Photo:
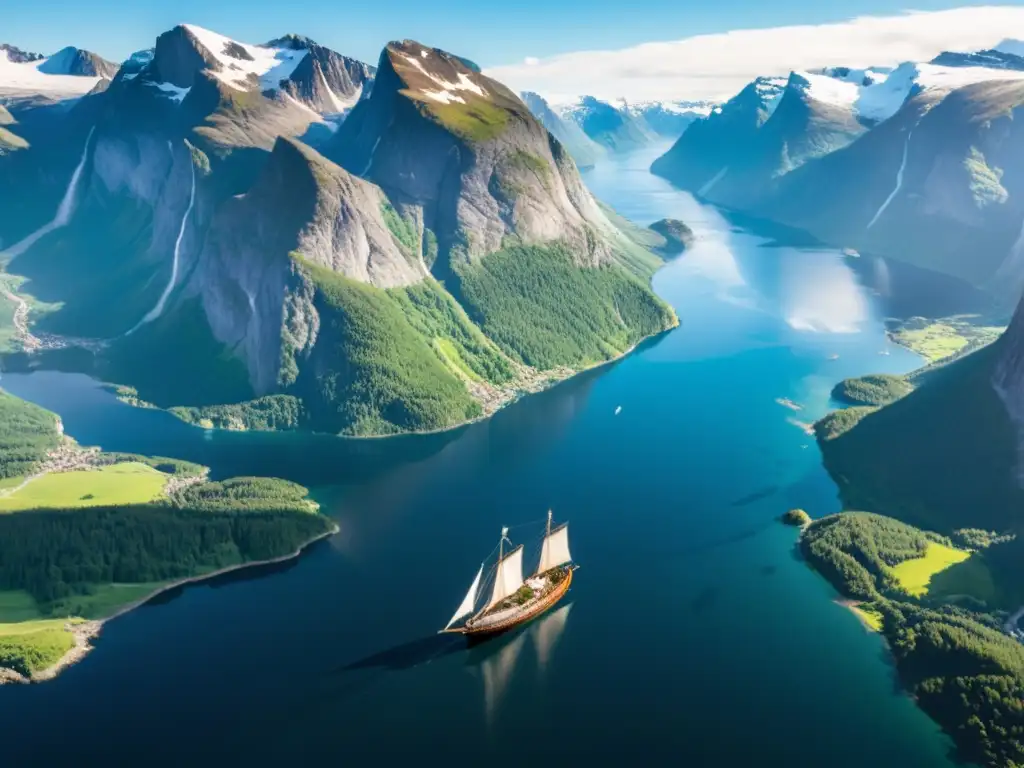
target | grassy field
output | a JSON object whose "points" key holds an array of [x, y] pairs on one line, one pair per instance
{"points": [[10, 482], [943, 338], [29, 643], [17, 605], [33, 646], [915, 576], [105, 599], [127, 483]]}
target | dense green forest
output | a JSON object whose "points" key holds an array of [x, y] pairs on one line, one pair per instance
{"points": [[966, 673], [877, 389], [269, 412], [53, 554], [543, 309], [942, 457], [27, 434], [373, 372]]}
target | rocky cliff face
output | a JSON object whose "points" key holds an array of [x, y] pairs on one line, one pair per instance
{"points": [[324, 80], [462, 156], [939, 184], [304, 204], [704, 154], [799, 129], [227, 260], [18, 56]]}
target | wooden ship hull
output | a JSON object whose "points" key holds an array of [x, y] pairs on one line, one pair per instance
{"points": [[513, 599], [530, 612]]}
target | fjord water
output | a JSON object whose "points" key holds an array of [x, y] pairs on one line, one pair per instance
{"points": [[692, 633]]}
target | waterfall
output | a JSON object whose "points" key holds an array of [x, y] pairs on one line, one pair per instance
{"points": [[64, 210], [157, 310], [703, 191], [899, 183]]}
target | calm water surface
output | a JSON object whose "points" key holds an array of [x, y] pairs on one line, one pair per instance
{"points": [[692, 633]]}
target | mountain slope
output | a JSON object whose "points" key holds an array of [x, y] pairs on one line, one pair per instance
{"points": [[451, 257], [75, 61], [705, 152], [615, 129], [584, 150], [939, 185]]}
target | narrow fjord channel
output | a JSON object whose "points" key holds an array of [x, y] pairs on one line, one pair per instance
{"points": [[692, 633]]}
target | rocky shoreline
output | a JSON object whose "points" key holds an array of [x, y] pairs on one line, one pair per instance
{"points": [[85, 631]]}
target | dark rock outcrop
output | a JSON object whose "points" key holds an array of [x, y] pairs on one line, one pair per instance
{"points": [[678, 236]]}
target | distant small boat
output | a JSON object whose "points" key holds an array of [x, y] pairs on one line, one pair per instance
{"points": [[514, 600], [833, 357], [885, 352], [618, 410]]}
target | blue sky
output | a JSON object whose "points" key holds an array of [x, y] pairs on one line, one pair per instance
{"points": [[486, 31]]}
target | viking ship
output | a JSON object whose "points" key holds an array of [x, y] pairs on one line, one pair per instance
{"points": [[514, 600]]}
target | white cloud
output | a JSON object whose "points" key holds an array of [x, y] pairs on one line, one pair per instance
{"points": [[717, 66]]}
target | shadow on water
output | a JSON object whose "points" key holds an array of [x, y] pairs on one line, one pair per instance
{"points": [[750, 498], [408, 655]]}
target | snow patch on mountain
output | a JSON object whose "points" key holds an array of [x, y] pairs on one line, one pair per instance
{"points": [[171, 91], [27, 77], [827, 90], [241, 62], [876, 94]]}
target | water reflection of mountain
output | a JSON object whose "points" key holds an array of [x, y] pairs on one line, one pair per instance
{"points": [[93, 415], [814, 288]]}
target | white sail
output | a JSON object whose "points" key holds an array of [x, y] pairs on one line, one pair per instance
{"points": [[469, 600], [555, 549], [508, 577]]}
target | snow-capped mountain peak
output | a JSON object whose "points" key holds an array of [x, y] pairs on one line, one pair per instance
{"points": [[239, 64], [68, 73]]}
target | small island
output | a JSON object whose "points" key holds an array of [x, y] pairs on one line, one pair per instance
{"points": [[678, 236], [796, 517], [876, 390]]}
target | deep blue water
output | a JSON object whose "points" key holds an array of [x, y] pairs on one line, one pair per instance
{"points": [[692, 633]]}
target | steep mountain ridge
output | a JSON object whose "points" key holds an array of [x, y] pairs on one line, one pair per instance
{"points": [[920, 162], [941, 179], [240, 274], [704, 154], [485, 169]]}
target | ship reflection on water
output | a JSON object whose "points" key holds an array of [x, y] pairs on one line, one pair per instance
{"points": [[498, 659], [494, 660]]}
